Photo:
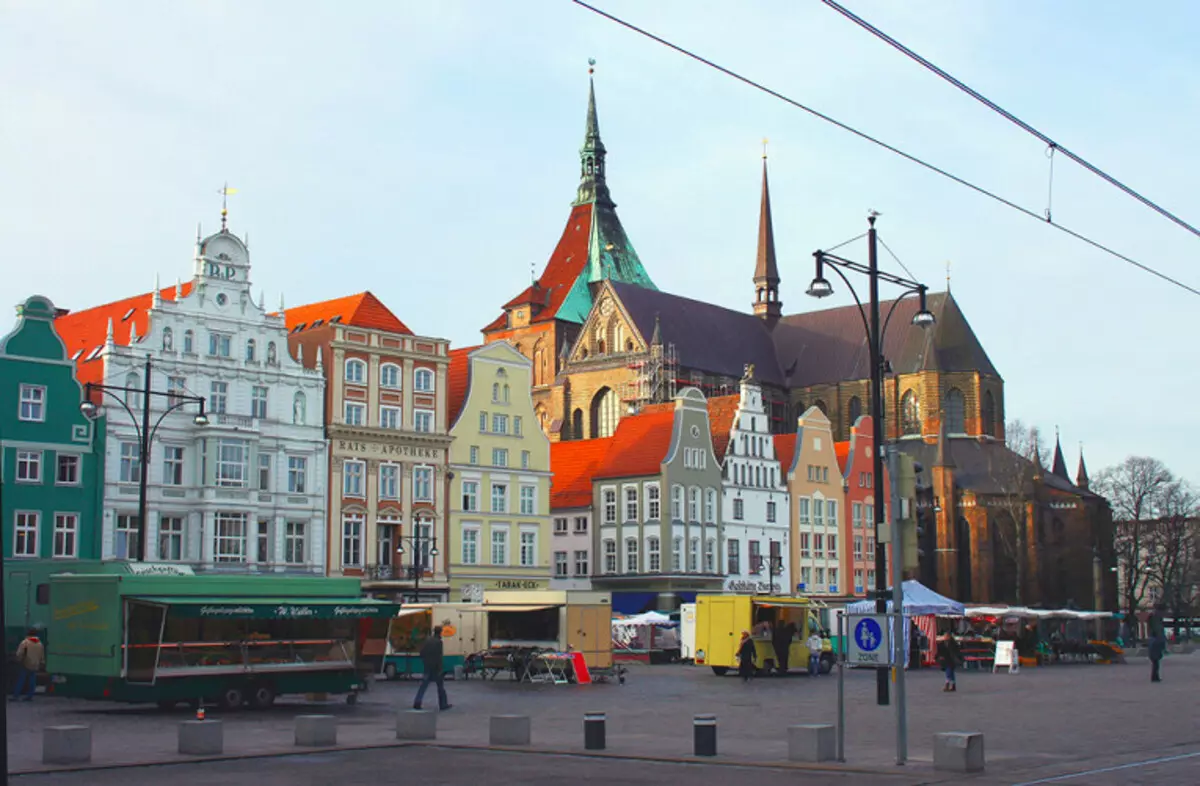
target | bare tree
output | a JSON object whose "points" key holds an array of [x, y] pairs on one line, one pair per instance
{"points": [[1171, 557], [1012, 475], [1133, 488]]}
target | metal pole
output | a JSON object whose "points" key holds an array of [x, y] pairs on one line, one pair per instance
{"points": [[841, 708], [881, 673], [145, 468], [3, 626], [899, 623], [416, 563]]}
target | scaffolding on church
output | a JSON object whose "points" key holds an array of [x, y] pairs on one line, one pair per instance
{"points": [[655, 377]]}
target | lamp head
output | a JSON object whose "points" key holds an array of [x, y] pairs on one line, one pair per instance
{"points": [[924, 317], [88, 408], [433, 552], [200, 420], [820, 286]]}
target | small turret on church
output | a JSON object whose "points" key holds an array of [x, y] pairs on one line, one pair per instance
{"points": [[767, 304]]}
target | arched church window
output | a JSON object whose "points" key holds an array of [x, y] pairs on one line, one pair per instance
{"points": [[855, 409], [605, 413], [910, 413], [168, 340], [955, 412]]}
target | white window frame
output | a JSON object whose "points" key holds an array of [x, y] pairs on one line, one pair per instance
{"points": [[355, 371], [354, 413], [677, 495], [470, 496], [32, 405], [710, 555], [169, 533], [733, 557], [426, 374], [66, 529], [631, 507], [125, 536], [470, 544], [710, 506], [653, 502], [501, 498], [390, 416], [26, 533], [389, 481], [677, 554], [225, 476], [560, 525], [632, 555], [499, 457], [352, 528], [238, 554], [693, 504], [739, 509], [295, 542], [74, 461], [500, 423], [129, 462], [528, 500], [499, 545], [581, 562], [422, 480], [388, 369], [608, 504], [297, 474], [610, 556], [173, 456], [561, 565], [29, 466], [220, 345], [266, 463], [259, 396], [653, 554], [354, 476], [528, 548], [218, 397], [423, 421]]}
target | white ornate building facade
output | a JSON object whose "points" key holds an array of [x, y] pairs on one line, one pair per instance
{"points": [[755, 509], [246, 492]]}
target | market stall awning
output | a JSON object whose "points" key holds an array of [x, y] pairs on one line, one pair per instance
{"points": [[918, 600], [260, 608], [518, 608]]}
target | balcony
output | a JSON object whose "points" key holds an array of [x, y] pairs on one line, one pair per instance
{"points": [[236, 421]]}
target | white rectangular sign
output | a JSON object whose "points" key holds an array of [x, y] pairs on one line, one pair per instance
{"points": [[867, 640]]}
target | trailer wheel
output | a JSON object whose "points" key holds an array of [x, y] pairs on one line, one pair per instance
{"points": [[389, 671], [720, 670], [232, 698], [262, 696]]}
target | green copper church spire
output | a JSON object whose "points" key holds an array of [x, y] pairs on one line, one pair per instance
{"points": [[592, 186]]}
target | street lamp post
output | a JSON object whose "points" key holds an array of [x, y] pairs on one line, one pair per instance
{"points": [[774, 565], [418, 560], [145, 432], [820, 288]]}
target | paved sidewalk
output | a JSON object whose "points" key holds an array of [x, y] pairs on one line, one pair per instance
{"points": [[1039, 723]]}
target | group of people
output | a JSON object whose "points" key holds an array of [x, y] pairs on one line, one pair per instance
{"points": [[781, 635]]}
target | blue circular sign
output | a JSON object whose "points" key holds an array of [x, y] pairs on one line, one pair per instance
{"points": [[868, 635]]}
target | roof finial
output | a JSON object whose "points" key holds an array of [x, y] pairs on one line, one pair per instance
{"points": [[178, 290], [108, 334], [591, 66], [262, 300], [225, 192], [156, 298], [947, 275], [765, 141], [280, 302]]}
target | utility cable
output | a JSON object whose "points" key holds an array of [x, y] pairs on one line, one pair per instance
{"points": [[875, 31], [863, 135]]}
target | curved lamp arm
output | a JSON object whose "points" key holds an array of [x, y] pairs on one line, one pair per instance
{"points": [[132, 417], [891, 310], [168, 411], [862, 314]]}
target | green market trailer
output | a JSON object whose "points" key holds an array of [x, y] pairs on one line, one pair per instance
{"points": [[223, 640]]}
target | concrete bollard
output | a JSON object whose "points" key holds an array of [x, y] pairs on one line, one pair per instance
{"points": [[704, 735], [593, 731], [958, 751], [509, 730], [67, 744], [316, 730], [201, 738], [416, 725], [459, 673], [812, 742]]}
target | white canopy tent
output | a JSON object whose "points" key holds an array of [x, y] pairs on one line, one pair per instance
{"points": [[918, 600]]}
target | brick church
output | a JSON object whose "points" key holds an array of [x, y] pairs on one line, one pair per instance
{"points": [[606, 342]]}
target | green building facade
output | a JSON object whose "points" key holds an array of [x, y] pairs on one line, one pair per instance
{"points": [[51, 455]]}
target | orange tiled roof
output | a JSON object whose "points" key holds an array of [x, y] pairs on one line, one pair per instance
{"points": [[457, 380], [83, 331], [721, 411], [785, 450], [842, 449], [639, 445], [566, 263], [362, 310], [574, 465]]}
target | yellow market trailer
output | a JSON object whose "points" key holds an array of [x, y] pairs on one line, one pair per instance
{"points": [[720, 620]]}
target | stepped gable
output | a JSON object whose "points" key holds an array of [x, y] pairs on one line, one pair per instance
{"points": [[85, 331]]}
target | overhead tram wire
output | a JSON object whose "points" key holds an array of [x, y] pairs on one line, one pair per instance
{"points": [[890, 148], [1009, 116]]}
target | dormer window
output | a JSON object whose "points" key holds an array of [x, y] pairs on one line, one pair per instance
{"points": [[299, 327]]}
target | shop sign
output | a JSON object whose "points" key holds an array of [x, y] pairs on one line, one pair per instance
{"points": [[387, 449], [519, 584], [282, 611], [752, 587]]}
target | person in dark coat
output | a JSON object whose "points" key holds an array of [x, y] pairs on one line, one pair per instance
{"points": [[948, 657], [1158, 643], [745, 656], [433, 668], [782, 642]]}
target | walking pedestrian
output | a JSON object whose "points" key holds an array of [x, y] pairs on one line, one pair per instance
{"points": [[816, 646], [1158, 642], [948, 656], [745, 656], [431, 664], [31, 658], [782, 642]]}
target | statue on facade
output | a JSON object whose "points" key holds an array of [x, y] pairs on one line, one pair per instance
{"points": [[748, 371]]}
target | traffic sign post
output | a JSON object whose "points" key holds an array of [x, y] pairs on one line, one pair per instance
{"points": [[868, 643]]}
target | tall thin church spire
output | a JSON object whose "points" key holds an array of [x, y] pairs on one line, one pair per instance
{"points": [[592, 185], [766, 273]]}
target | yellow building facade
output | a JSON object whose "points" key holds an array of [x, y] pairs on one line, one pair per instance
{"points": [[499, 532]]}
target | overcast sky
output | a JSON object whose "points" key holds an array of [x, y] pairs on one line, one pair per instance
{"points": [[428, 152]]}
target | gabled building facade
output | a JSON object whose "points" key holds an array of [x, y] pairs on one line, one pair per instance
{"points": [[756, 513], [858, 472], [818, 499], [385, 414], [657, 500], [247, 490], [500, 490], [51, 456]]}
